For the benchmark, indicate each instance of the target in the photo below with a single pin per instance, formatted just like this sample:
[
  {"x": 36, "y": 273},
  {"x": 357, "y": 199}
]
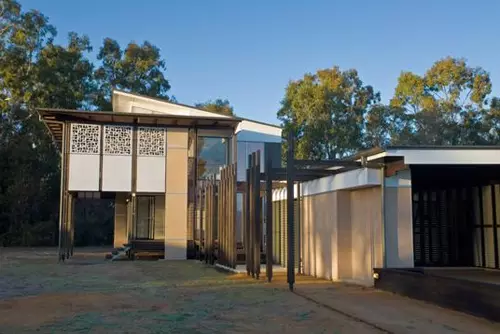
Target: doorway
[{"x": 144, "y": 218}]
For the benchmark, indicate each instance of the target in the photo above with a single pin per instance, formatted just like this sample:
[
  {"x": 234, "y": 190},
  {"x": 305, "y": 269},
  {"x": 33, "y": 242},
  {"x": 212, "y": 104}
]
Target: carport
[
  {"x": 455, "y": 215},
  {"x": 441, "y": 226}
]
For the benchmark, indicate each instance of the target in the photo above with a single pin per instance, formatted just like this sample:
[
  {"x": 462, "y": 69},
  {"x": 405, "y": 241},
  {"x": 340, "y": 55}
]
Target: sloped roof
[{"x": 202, "y": 112}]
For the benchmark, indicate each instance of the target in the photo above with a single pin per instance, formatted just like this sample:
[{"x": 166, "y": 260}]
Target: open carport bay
[{"x": 456, "y": 213}]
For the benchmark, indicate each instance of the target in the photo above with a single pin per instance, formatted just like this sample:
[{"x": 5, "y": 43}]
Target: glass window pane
[
  {"x": 239, "y": 217},
  {"x": 212, "y": 154},
  {"x": 254, "y": 147},
  {"x": 242, "y": 162}
]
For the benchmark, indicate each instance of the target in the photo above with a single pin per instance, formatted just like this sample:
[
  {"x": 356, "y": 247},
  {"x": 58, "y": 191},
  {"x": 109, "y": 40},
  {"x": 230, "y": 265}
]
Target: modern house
[
  {"x": 383, "y": 221},
  {"x": 423, "y": 207},
  {"x": 149, "y": 154}
]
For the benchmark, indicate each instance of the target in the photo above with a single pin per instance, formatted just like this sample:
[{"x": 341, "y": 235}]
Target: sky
[{"x": 247, "y": 51}]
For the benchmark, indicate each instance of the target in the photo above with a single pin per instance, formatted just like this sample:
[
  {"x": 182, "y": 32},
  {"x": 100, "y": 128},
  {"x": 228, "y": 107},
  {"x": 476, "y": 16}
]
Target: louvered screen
[{"x": 443, "y": 225}]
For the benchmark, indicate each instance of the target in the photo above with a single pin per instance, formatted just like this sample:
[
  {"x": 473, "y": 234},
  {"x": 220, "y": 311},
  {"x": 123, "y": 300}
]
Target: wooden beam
[{"x": 393, "y": 167}]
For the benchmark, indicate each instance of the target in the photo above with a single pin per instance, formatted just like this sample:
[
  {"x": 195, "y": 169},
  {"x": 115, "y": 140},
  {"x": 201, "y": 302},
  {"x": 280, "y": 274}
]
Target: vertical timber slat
[
  {"x": 269, "y": 220},
  {"x": 290, "y": 212}
]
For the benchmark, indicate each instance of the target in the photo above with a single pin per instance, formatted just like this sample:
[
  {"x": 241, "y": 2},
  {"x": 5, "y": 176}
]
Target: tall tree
[
  {"x": 492, "y": 120},
  {"x": 445, "y": 106},
  {"x": 34, "y": 72},
  {"x": 37, "y": 72},
  {"x": 137, "y": 68},
  {"x": 326, "y": 111},
  {"x": 218, "y": 106}
]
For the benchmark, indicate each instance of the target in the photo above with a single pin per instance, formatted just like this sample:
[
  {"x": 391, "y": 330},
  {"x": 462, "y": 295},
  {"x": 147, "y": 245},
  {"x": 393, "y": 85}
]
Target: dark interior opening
[
  {"x": 456, "y": 215},
  {"x": 94, "y": 221}
]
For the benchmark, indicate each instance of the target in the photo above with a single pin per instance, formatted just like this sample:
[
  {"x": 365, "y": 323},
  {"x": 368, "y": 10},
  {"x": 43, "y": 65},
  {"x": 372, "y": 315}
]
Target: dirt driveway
[{"x": 89, "y": 295}]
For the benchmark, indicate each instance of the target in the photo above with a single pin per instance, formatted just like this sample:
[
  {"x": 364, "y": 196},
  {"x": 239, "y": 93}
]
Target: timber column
[{"x": 176, "y": 194}]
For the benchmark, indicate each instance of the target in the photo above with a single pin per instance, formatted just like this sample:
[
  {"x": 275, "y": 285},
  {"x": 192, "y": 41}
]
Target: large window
[
  {"x": 213, "y": 153},
  {"x": 244, "y": 149}
]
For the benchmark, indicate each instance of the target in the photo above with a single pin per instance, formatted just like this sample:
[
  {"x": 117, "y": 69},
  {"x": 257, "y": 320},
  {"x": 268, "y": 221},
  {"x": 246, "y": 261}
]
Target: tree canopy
[
  {"x": 218, "y": 106},
  {"x": 137, "y": 68},
  {"x": 447, "y": 105},
  {"x": 328, "y": 111},
  {"x": 333, "y": 113}
]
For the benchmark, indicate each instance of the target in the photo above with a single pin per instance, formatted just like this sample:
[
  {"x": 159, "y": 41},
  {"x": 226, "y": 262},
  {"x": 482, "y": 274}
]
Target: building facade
[{"x": 149, "y": 155}]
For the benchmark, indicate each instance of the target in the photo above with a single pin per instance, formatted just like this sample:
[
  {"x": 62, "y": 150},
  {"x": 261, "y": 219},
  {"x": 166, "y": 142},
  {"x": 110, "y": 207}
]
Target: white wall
[
  {"x": 151, "y": 174},
  {"x": 116, "y": 173},
  {"x": 248, "y": 130},
  {"x": 354, "y": 179},
  {"x": 83, "y": 172},
  {"x": 341, "y": 233}
]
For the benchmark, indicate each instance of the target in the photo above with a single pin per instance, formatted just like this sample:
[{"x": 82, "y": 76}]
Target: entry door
[{"x": 145, "y": 218}]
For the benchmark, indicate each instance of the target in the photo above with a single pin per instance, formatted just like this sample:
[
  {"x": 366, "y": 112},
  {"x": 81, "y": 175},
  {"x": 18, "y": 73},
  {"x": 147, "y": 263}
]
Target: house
[
  {"x": 149, "y": 155},
  {"x": 423, "y": 207}
]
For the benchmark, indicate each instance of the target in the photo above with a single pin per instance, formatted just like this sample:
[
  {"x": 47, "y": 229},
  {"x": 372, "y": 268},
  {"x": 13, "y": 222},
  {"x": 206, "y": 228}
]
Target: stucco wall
[
  {"x": 366, "y": 224},
  {"x": 339, "y": 229},
  {"x": 319, "y": 228}
]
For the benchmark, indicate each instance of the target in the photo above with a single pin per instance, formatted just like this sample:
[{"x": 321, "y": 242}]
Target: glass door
[{"x": 145, "y": 217}]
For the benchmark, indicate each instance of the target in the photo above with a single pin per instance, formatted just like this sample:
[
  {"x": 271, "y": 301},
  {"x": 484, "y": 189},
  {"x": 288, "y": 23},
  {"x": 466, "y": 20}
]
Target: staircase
[
  {"x": 135, "y": 249},
  {"x": 120, "y": 253}
]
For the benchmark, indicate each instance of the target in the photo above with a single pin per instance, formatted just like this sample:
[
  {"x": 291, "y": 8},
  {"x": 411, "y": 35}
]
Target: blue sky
[{"x": 247, "y": 51}]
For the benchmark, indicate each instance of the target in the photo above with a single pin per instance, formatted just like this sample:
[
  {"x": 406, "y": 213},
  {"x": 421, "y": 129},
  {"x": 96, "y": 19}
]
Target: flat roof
[
  {"x": 434, "y": 154},
  {"x": 53, "y": 118}
]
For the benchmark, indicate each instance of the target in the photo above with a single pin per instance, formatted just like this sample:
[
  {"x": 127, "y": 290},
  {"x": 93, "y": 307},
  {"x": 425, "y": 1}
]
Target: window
[
  {"x": 213, "y": 153},
  {"x": 244, "y": 149}
]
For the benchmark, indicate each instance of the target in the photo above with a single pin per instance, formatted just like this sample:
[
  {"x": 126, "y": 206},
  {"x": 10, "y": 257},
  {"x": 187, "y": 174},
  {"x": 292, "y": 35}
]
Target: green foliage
[
  {"x": 137, "y": 68},
  {"x": 218, "y": 106},
  {"x": 446, "y": 106},
  {"x": 332, "y": 113},
  {"x": 36, "y": 72},
  {"x": 328, "y": 112}
]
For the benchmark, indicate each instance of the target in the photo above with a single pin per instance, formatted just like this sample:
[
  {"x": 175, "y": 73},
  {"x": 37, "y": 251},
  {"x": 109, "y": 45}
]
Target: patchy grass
[{"x": 89, "y": 295}]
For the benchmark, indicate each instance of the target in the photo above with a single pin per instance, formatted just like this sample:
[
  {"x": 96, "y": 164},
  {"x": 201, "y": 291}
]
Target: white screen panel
[
  {"x": 116, "y": 173},
  {"x": 83, "y": 172},
  {"x": 151, "y": 174}
]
